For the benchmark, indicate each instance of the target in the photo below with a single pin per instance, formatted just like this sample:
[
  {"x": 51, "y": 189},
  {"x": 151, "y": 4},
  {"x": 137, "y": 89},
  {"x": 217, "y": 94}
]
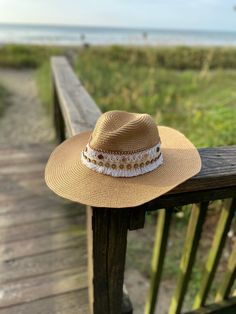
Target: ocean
[{"x": 80, "y": 35}]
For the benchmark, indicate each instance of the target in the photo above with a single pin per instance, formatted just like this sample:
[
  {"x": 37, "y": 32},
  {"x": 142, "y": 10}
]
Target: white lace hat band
[{"x": 122, "y": 164}]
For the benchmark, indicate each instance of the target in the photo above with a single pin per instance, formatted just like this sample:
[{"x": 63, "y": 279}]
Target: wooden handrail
[
  {"x": 80, "y": 113},
  {"x": 79, "y": 110},
  {"x": 218, "y": 170},
  {"x": 75, "y": 111}
]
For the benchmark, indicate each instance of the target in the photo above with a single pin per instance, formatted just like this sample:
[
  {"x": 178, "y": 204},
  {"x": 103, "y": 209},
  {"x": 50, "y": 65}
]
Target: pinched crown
[
  {"x": 120, "y": 131},
  {"x": 123, "y": 145}
]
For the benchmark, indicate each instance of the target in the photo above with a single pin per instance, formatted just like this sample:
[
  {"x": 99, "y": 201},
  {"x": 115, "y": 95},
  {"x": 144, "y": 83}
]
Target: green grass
[
  {"x": 22, "y": 56},
  {"x": 44, "y": 83},
  {"x": 177, "y": 58},
  {"x": 3, "y": 100},
  {"x": 37, "y": 57},
  {"x": 200, "y": 103},
  {"x": 191, "y": 89}
]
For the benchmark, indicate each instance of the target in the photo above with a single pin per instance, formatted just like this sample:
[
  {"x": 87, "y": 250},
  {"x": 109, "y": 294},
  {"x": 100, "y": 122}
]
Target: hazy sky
[{"x": 183, "y": 14}]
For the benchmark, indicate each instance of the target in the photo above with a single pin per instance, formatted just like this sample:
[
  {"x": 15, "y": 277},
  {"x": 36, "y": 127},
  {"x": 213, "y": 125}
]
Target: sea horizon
[{"x": 77, "y": 35}]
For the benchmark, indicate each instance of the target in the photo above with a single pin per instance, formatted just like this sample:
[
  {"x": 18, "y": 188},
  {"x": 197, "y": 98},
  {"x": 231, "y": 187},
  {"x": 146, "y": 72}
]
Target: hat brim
[{"x": 68, "y": 177}]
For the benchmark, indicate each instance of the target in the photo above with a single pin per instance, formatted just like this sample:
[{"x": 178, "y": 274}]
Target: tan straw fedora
[{"x": 125, "y": 161}]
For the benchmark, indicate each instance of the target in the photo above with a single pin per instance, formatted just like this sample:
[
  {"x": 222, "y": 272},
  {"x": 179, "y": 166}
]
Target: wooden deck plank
[
  {"x": 31, "y": 266},
  {"x": 31, "y": 289},
  {"x": 41, "y": 228},
  {"x": 42, "y": 244},
  {"x": 32, "y": 202},
  {"x": 12, "y": 168},
  {"x": 39, "y": 214},
  {"x": 22, "y": 158},
  {"x": 66, "y": 303},
  {"x": 43, "y": 256}
]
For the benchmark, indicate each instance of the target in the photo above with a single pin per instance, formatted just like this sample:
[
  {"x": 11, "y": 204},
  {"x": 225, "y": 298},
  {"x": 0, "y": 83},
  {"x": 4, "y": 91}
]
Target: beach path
[
  {"x": 25, "y": 121},
  {"x": 43, "y": 256},
  {"x": 43, "y": 237}
]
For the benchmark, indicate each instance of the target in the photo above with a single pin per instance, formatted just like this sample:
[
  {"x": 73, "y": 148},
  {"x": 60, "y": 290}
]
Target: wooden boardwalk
[{"x": 43, "y": 258}]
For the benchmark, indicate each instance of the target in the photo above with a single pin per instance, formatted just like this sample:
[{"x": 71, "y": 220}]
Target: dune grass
[
  {"x": 201, "y": 103},
  {"x": 36, "y": 57},
  {"x": 44, "y": 82},
  {"x": 3, "y": 99},
  {"x": 25, "y": 56},
  {"x": 191, "y": 89},
  {"x": 177, "y": 58}
]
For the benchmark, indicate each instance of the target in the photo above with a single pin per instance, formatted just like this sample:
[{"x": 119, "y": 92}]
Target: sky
[{"x": 170, "y": 14}]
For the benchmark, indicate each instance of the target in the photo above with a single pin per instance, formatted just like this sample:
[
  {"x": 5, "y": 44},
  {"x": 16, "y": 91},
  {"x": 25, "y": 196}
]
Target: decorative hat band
[{"x": 122, "y": 164}]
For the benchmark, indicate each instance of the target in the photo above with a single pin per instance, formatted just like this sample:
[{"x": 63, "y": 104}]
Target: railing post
[
  {"x": 107, "y": 240},
  {"x": 58, "y": 120}
]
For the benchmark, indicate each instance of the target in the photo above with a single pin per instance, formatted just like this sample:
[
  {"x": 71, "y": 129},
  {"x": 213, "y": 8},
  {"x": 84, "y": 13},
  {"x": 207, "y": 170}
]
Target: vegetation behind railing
[
  {"x": 199, "y": 102},
  {"x": 178, "y": 58},
  {"x": 3, "y": 100},
  {"x": 75, "y": 111}
]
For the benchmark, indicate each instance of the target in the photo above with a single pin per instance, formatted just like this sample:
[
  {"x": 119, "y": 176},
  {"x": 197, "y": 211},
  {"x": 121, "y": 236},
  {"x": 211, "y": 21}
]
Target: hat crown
[{"x": 124, "y": 132}]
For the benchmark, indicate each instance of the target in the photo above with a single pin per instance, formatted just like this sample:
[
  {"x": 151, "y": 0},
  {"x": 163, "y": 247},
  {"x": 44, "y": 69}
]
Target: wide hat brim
[{"x": 68, "y": 177}]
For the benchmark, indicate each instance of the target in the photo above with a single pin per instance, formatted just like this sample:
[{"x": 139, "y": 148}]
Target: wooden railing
[{"x": 74, "y": 112}]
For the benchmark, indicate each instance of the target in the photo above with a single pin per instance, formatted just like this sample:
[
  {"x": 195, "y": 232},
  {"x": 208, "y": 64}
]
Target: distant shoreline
[
  {"x": 116, "y": 28},
  {"x": 69, "y": 46},
  {"x": 88, "y": 45},
  {"x": 103, "y": 36}
]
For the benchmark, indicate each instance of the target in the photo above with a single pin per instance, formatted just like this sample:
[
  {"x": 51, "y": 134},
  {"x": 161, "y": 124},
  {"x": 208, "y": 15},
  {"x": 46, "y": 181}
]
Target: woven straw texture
[
  {"x": 124, "y": 131},
  {"x": 68, "y": 177}
]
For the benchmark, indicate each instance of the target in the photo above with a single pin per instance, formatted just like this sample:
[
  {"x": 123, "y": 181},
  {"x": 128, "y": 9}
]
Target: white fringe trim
[
  {"x": 123, "y": 172},
  {"x": 90, "y": 158}
]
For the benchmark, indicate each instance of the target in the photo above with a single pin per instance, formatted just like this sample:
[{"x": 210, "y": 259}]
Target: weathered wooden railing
[{"x": 74, "y": 112}]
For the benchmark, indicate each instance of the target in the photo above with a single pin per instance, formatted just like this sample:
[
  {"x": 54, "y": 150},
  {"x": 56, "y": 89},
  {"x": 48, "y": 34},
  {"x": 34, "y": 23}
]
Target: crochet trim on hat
[{"x": 120, "y": 164}]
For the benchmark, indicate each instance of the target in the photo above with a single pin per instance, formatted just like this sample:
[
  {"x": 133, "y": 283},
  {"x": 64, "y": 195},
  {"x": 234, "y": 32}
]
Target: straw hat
[{"x": 125, "y": 161}]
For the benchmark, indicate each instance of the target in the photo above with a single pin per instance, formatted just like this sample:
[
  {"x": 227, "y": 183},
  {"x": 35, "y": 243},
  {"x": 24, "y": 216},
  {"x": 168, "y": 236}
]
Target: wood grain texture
[
  {"x": 43, "y": 244},
  {"x": 126, "y": 303},
  {"x": 79, "y": 111},
  {"x": 109, "y": 240},
  {"x": 90, "y": 259},
  {"x": 42, "y": 240},
  {"x": 218, "y": 170},
  {"x": 137, "y": 218},
  {"x": 34, "y": 288},
  {"x": 66, "y": 303},
  {"x": 28, "y": 216},
  {"x": 179, "y": 199},
  {"x": 58, "y": 120}
]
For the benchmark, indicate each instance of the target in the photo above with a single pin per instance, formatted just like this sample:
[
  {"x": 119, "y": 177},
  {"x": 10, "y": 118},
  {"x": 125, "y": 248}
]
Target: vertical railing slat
[
  {"x": 224, "y": 307},
  {"x": 222, "y": 229},
  {"x": 224, "y": 290},
  {"x": 193, "y": 235},
  {"x": 161, "y": 239}
]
